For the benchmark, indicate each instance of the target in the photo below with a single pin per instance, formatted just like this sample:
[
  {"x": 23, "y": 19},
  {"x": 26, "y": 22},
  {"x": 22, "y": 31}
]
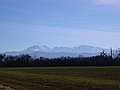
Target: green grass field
[{"x": 61, "y": 78}]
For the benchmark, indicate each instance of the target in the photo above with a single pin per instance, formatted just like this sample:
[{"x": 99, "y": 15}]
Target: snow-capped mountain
[
  {"x": 46, "y": 51},
  {"x": 36, "y": 49}
]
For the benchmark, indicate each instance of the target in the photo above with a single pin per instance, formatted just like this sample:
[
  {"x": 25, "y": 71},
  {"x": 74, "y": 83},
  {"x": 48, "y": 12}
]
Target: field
[{"x": 60, "y": 78}]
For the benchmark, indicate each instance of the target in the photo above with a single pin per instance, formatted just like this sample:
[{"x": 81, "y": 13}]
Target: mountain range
[{"x": 45, "y": 51}]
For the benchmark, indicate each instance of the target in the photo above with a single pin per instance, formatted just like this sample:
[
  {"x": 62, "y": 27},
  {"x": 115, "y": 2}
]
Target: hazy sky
[{"x": 24, "y": 23}]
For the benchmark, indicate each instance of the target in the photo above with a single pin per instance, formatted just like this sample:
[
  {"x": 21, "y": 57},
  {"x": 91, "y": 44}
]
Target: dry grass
[{"x": 5, "y": 88}]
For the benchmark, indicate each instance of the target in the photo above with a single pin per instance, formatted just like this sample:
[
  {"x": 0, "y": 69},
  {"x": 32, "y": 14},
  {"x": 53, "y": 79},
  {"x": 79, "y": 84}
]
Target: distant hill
[{"x": 45, "y": 51}]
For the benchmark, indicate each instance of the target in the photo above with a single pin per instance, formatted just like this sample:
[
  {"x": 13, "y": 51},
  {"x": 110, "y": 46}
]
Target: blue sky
[{"x": 25, "y": 23}]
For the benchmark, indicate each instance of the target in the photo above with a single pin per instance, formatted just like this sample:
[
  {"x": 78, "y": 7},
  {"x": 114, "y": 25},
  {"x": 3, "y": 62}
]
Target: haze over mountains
[{"x": 45, "y": 51}]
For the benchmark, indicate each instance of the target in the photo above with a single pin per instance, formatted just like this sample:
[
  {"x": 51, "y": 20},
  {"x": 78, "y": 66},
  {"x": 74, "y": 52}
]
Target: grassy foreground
[{"x": 61, "y": 78}]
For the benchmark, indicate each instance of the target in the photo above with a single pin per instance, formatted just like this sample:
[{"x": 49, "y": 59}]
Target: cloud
[{"x": 107, "y": 2}]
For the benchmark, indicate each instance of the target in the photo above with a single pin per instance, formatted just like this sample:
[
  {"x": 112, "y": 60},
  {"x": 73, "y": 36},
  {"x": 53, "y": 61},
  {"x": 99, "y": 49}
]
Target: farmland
[{"x": 61, "y": 78}]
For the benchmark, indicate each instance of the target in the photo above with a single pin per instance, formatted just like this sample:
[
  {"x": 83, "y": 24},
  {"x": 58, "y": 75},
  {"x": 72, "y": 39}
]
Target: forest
[{"x": 28, "y": 61}]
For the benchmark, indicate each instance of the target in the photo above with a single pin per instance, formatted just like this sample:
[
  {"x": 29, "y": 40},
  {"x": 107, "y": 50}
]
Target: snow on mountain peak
[
  {"x": 59, "y": 51},
  {"x": 36, "y": 49}
]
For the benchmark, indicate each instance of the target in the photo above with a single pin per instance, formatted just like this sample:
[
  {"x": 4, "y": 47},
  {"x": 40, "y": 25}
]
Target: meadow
[{"x": 61, "y": 78}]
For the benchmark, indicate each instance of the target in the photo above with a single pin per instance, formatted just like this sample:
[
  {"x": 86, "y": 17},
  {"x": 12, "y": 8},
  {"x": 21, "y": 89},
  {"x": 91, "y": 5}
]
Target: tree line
[{"x": 28, "y": 61}]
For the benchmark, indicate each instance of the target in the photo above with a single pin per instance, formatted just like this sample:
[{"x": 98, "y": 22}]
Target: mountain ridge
[{"x": 82, "y": 50}]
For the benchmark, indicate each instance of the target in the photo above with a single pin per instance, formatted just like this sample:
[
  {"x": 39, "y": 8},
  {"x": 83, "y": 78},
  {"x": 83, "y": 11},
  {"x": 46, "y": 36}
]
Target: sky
[{"x": 67, "y": 23}]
